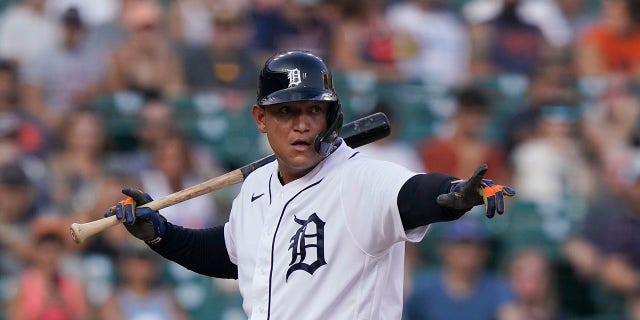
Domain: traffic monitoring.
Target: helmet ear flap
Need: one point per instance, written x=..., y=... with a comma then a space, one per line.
x=327, y=139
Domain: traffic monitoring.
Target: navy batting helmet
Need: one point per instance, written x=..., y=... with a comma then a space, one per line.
x=302, y=76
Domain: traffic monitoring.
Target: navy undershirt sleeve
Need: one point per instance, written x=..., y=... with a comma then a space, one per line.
x=199, y=250
x=417, y=200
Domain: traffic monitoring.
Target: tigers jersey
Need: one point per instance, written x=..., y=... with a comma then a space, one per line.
x=329, y=245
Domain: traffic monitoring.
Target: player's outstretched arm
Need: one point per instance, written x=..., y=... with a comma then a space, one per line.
x=438, y=197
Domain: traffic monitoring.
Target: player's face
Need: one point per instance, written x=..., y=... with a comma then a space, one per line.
x=291, y=129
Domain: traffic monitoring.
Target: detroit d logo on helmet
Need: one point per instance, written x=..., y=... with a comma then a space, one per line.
x=294, y=77
x=307, y=240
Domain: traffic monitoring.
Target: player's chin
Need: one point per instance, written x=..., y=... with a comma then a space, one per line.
x=303, y=160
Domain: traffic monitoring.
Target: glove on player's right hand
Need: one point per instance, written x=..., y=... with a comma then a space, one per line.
x=144, y=223
x=465, y=195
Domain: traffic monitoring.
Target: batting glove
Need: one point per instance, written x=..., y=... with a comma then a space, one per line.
x=466, y=194
x=143, y=223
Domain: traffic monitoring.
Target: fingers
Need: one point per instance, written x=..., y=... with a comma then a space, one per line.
x=138, y=196
x=508, y=191
x=490, y=207
x=495, y=196
x=125, y=209
x=499, y=203
x=109, y=212
x=476, y=180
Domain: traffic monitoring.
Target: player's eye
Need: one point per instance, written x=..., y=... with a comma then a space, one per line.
x=284, y=110
x=316, y=109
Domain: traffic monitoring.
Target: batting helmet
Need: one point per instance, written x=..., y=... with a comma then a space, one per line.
x=302, y=76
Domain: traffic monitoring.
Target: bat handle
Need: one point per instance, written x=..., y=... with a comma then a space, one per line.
x=82, y=231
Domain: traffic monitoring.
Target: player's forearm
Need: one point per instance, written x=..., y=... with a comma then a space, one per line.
x=202, y=250
x=417, y=200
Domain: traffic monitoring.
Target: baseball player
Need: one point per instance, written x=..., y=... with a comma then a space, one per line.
x=319, y=233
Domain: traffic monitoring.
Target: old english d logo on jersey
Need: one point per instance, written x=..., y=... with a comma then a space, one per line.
x=305, y=241
x=294, y=77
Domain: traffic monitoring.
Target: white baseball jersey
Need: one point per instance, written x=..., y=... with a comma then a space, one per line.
x=329, y=245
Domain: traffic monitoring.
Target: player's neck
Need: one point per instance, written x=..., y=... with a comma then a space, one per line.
x=285, y=176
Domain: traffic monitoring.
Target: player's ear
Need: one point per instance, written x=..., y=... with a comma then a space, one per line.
x=258, y=113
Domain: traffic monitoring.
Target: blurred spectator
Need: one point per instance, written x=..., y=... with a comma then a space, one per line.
x=551, y=84
x=46, y=290
x=158, y=121
x=189, y=22
x=619, y=267
x=364, y=40
x=94, y=13
x=462, y=146
x=26, y=31
x=77, y=165
x=145, y=62
x=532, y=279
x=30, y=136
x=550, y=16
x=463, y=288
x=578, y=15
x=65, y=77
x=18, y=206
x=612, y=46
x=616, y=112
x=139, y=274
x=434, y=42
x=173, y=170
x=110, y=34
x=591, y=239
x=225, y=61
x=550, y=168
x=506, y=42
x=289, y=25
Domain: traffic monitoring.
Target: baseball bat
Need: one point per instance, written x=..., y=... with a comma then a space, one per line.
x=357, y=133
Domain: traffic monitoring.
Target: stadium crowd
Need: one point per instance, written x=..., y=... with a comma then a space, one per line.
x=155, y=94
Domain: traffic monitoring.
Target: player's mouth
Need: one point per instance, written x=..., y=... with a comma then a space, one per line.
x=301, y=145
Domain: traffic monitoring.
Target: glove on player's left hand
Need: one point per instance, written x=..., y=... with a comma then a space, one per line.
x=144, y=223
x=465, y=195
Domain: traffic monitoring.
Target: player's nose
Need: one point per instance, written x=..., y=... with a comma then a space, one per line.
x=302, y=122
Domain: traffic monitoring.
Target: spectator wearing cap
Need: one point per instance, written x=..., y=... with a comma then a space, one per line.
x=66, y=77
x=463, y=287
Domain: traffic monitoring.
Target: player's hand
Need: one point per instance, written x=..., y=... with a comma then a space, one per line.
x=142, y=222
x=466, y=194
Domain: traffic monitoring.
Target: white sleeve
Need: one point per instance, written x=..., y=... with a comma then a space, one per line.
x=369, y=202
x=229, y=231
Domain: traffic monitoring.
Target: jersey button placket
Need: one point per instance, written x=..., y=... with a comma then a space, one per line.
x=262, y=269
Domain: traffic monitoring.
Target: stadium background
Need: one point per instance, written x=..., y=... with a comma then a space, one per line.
x=157, y=96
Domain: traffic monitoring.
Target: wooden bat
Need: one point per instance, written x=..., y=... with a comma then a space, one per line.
x=355, y=134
